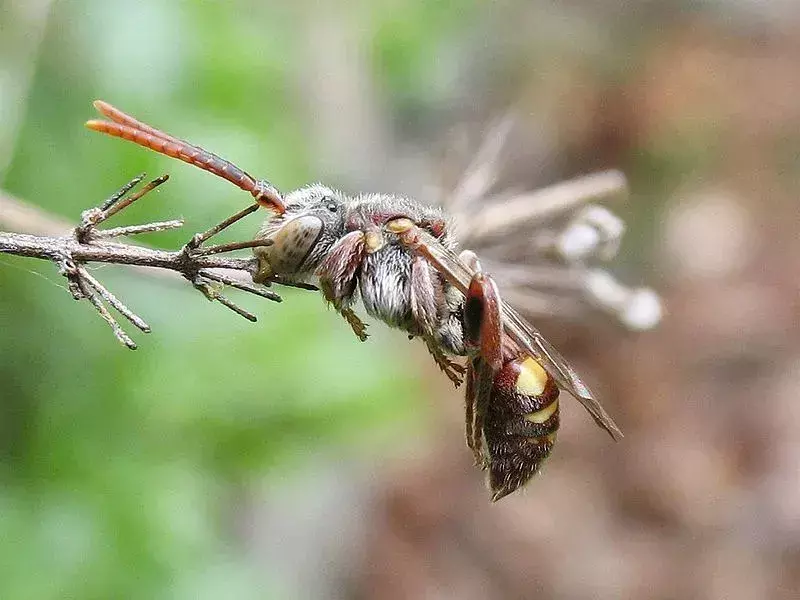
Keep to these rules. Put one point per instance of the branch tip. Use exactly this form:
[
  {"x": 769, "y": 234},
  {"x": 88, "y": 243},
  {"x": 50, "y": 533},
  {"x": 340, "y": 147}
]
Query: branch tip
[
  {"x": 116, "y": 196},
  {"x": 201, "y": 238}
]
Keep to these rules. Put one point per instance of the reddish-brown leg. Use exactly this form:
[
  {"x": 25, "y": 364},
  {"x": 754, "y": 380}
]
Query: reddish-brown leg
[{"x": 483, "y": 340}]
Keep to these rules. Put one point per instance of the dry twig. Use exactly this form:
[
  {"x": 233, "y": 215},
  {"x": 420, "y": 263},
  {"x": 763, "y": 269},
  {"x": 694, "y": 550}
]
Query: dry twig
[{"x": 196, "y": 263}]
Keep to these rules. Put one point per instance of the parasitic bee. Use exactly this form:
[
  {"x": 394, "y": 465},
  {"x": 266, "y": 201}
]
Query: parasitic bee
[{"x": 400, "y": 258}]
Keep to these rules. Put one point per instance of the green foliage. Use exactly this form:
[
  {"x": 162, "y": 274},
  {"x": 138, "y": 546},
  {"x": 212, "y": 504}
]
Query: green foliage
[{"x": 117, "y": 467}]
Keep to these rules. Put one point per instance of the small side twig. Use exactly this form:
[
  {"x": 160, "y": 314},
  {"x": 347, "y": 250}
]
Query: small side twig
[
  {"x": 213, "y": 294},
  {"x": 139, "y": 229},
  {"x": 240, "y": 285},
  {"x": 123, "y": 203},
  {"x": 219, "y": 248},
  {"x": 120, "y": 193},
  {"x": 117, "y": 202},
  {"x": 81, "y": 290},
  {"x": 201, "y": 238},
  {"x": 114, "y": 301}
]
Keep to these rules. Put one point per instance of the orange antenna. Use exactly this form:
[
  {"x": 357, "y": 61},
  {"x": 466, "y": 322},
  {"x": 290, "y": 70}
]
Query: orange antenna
[{"x": 124, "y": 126}]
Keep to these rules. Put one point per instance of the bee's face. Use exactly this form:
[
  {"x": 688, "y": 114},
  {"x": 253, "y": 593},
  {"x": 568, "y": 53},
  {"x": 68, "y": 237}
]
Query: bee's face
[{"x": 303, "y": 235}]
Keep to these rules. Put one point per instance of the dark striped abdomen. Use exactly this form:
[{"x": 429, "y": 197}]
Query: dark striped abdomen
[{"x": 520, "y": 424}]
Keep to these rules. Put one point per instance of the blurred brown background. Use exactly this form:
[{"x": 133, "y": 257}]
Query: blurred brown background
[{"x": 698, "y": 103}]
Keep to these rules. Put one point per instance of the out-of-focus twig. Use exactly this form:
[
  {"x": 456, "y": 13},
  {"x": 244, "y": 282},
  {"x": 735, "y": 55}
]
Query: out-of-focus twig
[
  {"x": 16, "y": 215},
  {"x": 543, "y": 246},
  {"x": 500, "y": 219},
  {"x": 21, "y": 50}
]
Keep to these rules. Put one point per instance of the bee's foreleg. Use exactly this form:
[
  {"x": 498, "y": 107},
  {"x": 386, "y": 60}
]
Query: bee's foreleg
[{"x": 338, "y": 276}]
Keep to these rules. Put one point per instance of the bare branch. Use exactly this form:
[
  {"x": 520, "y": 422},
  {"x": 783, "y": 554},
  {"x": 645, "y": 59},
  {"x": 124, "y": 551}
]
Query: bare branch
[
  {"x": 55, "y": 248},
  {"x": 86, "y": 244},
  {"x": 481, "y": 174}
]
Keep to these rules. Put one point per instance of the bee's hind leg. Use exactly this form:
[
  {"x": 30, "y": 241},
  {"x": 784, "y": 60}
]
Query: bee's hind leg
[{"x": 453, "y": 370}]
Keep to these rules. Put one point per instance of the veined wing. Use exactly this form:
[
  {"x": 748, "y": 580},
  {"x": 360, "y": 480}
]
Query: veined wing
[{"x": 524, "y": 335}]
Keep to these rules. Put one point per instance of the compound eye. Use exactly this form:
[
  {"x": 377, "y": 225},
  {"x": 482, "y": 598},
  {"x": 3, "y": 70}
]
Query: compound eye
[{"x": 292, "y": 243}]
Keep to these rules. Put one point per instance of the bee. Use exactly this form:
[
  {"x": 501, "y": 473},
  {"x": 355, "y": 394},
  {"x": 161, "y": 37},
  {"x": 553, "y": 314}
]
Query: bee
[{"x": 400, "y": 258}]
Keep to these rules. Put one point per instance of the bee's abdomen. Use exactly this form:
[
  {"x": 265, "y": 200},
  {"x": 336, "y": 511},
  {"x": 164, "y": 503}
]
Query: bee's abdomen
[{"x": 521, "y": 424}]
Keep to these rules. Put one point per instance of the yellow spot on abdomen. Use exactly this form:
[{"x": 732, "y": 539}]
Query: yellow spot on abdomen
[
  {"x": 532, "y": 378},
  {"x": 541, "y": 416}
]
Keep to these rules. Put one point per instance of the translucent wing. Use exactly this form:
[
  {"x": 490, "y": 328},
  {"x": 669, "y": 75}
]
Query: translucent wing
[
  {"x": 527, "y": 337},
  {"x": 533, "y": 342}
]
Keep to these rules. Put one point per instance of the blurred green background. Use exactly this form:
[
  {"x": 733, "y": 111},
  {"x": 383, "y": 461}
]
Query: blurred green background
[
  {"x": 119, "y": 469},
  {"x": 287, "y": 460}
]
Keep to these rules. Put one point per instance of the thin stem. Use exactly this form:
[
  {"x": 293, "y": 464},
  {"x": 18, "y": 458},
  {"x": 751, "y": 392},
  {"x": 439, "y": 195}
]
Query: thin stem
[
  {"x": 120, "y": 193},
  {"x": 240, "y": 285},
  {"x": 92, "y": 217},
  {"x": 122, "y": 205},
  {"x": 232, "y": 246},
  {"x": 139, "y": 229},
  {"x": 236, "y": 308},
  {"x": 119, "y": 333},
  {"x": 212, "y": 294},
  {"x": 120, "y": 307},
  {"x": 198, "y": 239},
  {"x": 301, "y": 285}
]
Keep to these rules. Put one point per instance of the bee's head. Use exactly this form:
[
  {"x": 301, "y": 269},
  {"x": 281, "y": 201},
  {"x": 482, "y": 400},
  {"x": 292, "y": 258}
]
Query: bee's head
[{"x": 303, "y": 235}]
